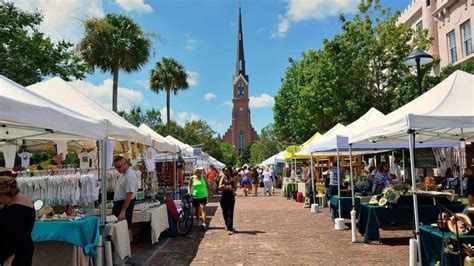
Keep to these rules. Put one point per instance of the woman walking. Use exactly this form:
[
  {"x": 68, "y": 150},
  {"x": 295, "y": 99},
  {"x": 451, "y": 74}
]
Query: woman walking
[
  {"x": 228, "y": 185},
  {"x": 255, "y": 181},
  {"x": 267, "y": 182},
  {"x": 199, "y": 187}
]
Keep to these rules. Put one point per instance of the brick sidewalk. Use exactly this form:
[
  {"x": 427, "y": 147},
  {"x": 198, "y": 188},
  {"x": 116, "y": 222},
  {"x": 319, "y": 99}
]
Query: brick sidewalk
[{"x": 274, "y": 230}]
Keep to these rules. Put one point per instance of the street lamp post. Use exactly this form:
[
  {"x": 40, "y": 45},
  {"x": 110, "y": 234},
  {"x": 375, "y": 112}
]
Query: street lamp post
[{"x": 417, "y": 58}]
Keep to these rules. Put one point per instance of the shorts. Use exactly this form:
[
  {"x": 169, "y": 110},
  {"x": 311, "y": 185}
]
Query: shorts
[
  {"x": 198, "y": 202},
  {"x": 246, "y": 182},
  {"x": 128, "y": 212}
]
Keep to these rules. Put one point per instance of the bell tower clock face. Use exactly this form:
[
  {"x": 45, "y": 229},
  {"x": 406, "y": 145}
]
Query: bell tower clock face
[{"x": 241, "y": 108}]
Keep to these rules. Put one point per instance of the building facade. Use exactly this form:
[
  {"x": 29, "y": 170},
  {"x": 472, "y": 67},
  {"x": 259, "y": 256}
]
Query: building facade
[
  {"x": 241, "y": 132},
  {"x": 449, "y": 23}
]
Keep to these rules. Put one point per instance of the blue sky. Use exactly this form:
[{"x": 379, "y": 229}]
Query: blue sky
[{"x": 201, "y": 34}]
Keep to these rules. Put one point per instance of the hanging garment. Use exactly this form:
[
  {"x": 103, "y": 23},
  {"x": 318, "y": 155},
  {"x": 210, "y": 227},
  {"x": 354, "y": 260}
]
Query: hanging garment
[{"x": 9, "y": 151}]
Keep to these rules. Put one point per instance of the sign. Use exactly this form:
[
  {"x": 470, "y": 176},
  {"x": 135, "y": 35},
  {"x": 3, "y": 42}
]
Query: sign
[
  {"x": 424, "y": 158},
  {"x": 197, "y": 152}
]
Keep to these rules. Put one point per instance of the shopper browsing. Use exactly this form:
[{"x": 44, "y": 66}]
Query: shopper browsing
[
  {"x": 125, "y": 191},
  {"x": 16, "y": 222}
]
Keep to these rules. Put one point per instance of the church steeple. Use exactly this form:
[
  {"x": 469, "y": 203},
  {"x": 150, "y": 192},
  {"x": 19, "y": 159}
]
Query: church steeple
[{"x": 240, "y": 64}]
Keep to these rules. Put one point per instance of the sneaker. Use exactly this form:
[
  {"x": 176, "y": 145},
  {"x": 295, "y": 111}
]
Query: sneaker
[
  {"x": 203, "y": 225},
  {"x": 230, "y": 232}
]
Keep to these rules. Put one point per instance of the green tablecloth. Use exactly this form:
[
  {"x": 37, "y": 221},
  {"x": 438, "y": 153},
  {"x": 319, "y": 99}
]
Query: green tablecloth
[
  {"x": 372, "y": 217},
  {"x": 346, "y": 206},
  {"x": 432, "y": 246},
  {"x": 288, "y": 188}
]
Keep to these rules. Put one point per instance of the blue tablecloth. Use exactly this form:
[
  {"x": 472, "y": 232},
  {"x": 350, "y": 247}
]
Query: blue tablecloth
[
  {"x": 432, "y": 246},
  {"x": 346, "y": 206},
  {"x": 83, "y": 233},
  {"x": 372, "y": 217}
]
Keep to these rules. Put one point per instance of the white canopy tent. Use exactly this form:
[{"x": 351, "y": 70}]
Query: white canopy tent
[
  {"x": 64, "y": 94},
  {"x": 25, "y": 114},
  {"x": 160, "y": 143},
  {"x": 444, "y": 113},
  {"x": 277, "y": 158},
  {"x": 186, "y": 149}
]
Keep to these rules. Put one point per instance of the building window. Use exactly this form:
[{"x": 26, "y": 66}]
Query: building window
[
  {"x": 419, "y": 26},
  {"x": 451, "y": 47},
  {"x": 466, "y": 38},
  {"x": 240, "y": 90},
  {"x": 241, "y": 141},
  {"x": 428, "y": 2}
]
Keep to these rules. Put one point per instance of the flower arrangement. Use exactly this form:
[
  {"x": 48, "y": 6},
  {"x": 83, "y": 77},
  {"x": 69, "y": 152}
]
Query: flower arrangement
[{"x": 430, "y": 183}]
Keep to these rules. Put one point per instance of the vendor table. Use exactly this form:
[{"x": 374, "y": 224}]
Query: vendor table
[
  {"x": 288, "y": 188},
  {"x": 372, "y": 217},
  {"x": 118, "y": 233},
  {"x": 346, "y": 206},
  {"x": 74, "y": 240},
  {"x": 432, "y": 246}
]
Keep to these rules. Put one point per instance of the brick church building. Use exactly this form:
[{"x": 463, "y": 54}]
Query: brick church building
[{"x": 241, "y": 132}]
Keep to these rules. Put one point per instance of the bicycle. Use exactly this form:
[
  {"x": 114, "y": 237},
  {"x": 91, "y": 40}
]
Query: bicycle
[{"x": 184, "y": 223}]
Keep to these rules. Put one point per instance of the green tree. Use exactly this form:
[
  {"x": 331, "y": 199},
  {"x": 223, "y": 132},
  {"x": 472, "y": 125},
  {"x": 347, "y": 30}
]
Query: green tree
[
  {"x": 357, "y": 69},
  {"x": 228, "y": 154},
  {"x": 245, "y": 156},
  {"x": 169, "y": 76},
  {"x": 266, "y": 146},
  {"x": 27, "y": 55},
  {"x": 136, "y": 117},
  {"x": 112, "y": 43}
]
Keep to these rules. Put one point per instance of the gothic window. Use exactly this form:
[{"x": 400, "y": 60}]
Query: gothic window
[
  {"x": 241, "y": 141},
  {"x": 240, "y": 90}
]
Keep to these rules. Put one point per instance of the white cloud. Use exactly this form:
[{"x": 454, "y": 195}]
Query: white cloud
[
  {"x": 62, "y": 19},
  {"x": 209, "y": 96},
  {"x": 300, "y": 10},
  {"x": 192, "y": 78},
  {"x": 182, "y": 118},
  {"x": 190, "y": 42},
  {"x": 228, "y": 103},
  {"x": 143, "y": 83},
  {"x": 264, "y": 100},
  {"x": 102, "y": 94},
  {"x": 134, "y": 5}
]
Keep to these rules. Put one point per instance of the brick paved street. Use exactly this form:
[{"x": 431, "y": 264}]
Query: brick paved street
[{"x": 274, "y": 230}]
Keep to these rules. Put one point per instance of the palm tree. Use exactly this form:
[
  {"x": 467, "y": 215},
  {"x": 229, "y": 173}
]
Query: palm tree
[
  {"x": 168, "y": 75},
  {"x": 112, "y": 43}
]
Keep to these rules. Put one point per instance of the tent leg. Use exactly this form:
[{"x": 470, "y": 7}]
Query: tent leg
[
  {"x": 353, "y": 211},
  {"x": 411, "y": 139},
  {"x": 103, "y": 190},
  {"x": 338, "y": 185},
  {"x": 312, "y": 178}
]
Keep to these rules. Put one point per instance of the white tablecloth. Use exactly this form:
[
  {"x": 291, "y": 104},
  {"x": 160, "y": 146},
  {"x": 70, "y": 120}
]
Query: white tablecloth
[{"x": 118, "y": 232}]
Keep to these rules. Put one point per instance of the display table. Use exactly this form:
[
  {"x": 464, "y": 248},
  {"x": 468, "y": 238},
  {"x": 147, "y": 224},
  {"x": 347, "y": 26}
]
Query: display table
[
  {"x": 373, "y": 217},
  {"x": 346, "y": 206},
  {"x": 118, "y": 233},
  {"x": 432, "y": 246},
  {"x": 288, "y": 188},
  {"x": 65, "y": 242}
]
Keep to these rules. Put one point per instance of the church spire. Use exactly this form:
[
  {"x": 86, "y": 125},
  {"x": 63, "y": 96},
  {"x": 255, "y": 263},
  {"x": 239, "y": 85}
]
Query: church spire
[{"x": 240, "y": 64}]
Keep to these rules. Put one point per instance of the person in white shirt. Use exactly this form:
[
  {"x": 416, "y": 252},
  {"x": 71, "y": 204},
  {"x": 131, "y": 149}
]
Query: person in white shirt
[
  {"x": 267, "y": 182},
  {"x": 125, "y": 191}
]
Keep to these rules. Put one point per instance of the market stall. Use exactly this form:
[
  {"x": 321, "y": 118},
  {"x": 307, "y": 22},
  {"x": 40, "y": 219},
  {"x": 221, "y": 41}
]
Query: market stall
[{"x": 444, "y": 113}]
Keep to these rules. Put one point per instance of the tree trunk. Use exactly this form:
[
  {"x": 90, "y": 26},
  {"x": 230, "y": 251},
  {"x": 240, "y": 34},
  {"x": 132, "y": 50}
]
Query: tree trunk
[
  {"x": 168, "y": 129},
  {"x": 115, "y": 88}
]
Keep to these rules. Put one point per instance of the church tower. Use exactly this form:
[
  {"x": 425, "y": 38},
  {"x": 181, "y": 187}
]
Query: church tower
[{"x": 241, "y": 132}]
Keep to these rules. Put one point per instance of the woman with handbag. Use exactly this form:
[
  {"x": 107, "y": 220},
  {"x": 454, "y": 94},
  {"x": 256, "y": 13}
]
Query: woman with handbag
[
  {"x": 228, "y": 185},
  {"x": 198, "y": 187}
]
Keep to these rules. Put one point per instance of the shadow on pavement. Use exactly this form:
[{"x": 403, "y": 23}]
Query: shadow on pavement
[
  {"x": 252, "y": 232},
  {"x": 395, "y": 241}
]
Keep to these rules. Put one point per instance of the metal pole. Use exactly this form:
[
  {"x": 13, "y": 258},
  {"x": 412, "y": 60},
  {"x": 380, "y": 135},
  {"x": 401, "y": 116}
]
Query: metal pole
[
  {"x": 411, "y": 139},
  {"x": 103, "y": 190},
  {"x": 353, "y": 211},
  {"x": 418, "y": 75},
  {"x": 403, "y": 165},
  {"x": 338, "y": 186},
  {"x": 312, "y": 177}
]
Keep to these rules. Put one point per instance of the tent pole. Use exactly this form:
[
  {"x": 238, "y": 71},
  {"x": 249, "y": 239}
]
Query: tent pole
[
  {"x": 103, "y": 190},
  {"x": 338, "y": 185},
  {"x": 411, "y": 139},
  {"x": 353, "y": 211},
  {"x": 312, "y": 177},
  {"x": 403, "y": 165}
]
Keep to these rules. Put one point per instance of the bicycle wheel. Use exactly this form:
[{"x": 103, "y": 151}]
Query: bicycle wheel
[{"x": 185, "y": 222}]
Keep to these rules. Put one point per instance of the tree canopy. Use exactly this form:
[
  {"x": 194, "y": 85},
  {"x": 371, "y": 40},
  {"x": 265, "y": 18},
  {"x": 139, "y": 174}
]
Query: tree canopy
[{"x": 28, "y": 55}]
